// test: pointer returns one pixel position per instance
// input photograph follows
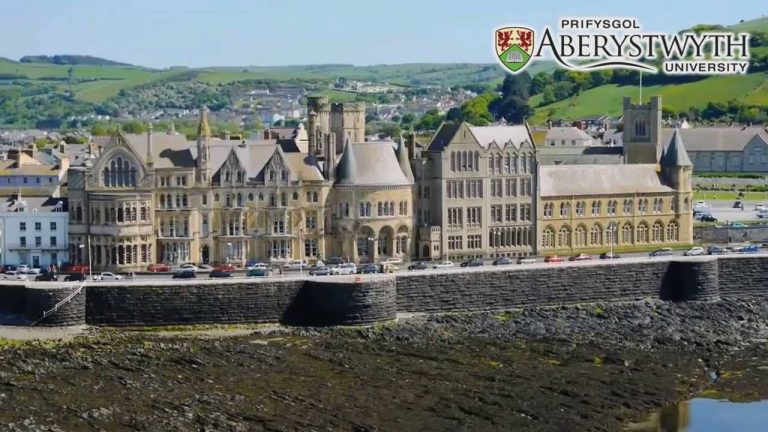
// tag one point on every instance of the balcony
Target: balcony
(117, 230)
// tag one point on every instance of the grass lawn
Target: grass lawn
(729, 196)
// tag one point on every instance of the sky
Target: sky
(164, 33)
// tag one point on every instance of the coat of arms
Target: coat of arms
(514, 47)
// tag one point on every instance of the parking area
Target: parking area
(724, 211)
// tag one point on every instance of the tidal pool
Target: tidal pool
(708, 415)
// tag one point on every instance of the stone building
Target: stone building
(725, 149)
(33, 231)
(476, 192)
(141, 199)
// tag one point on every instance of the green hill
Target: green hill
(607, 99)
(750, 89)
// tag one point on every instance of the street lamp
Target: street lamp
(90, 269)
(612, 234)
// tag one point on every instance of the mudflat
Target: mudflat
(587, 367)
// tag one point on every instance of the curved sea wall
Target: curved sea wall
(366, 299)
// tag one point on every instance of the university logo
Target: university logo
(588, 44)
(514, 47)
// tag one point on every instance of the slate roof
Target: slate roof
(370, 164)
(716, 138)
(41, 204)
(444, 135)
(569, 180)
(567, 134)
(500, 135)
(675, 155)
(170, 151)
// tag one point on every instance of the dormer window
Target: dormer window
(239, 176)
(283, 175)
(228, 176)
(271, 175)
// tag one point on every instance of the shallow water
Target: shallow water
(708, 415)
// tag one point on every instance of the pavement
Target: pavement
(724, 211)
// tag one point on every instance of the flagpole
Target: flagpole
(641, 86)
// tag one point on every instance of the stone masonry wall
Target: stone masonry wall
(480, 289)
(744, 275)
(43, 297)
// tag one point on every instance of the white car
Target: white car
(392, 260)
(15, 275)
(297, 264)
(257, 266)
(761, 208)
(695, 251)
(344, 269)
(108, 276)
(187, 267)
(23, 269)
(34, 271)
(444, 264)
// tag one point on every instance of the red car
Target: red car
(227, 268)
(158, 268)
(580, 257)
(553, 259)
(78, 268)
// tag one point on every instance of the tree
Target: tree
(430, 120)
(540, 81)
(514, 109)
(407, 119)
(455, 115)
(99, 130)
(516, 85)
(134, 127)
(477, 111)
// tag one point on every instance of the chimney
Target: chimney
(150, 149)
(411, 143)
(312, 145)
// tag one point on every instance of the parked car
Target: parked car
(226, 267)
(580, 257)
(23, 269)
(748, 249)
(418, 266)
(297, 264)
(258, 272)
(661, 252)
(553, 259)
(74, 277)
(10, 267)
(706, 217)
(472, 263)
(185, 275)
(34, 270)
(737, 225)
(108, 276)
(188, 267)
(716, 250)
(443, 265)
(46, 277)
(700, 206)
(609, 255)
(738, 204)
(216, 274)
(761, 208)
(256, 265)
(695, 251)
(78, 268)
(526, 260)
(334, 261)
(368, 268)
(15, 275)
(502, 261)
(344, 269)
(393, 260)
(319, 271)
(158, 268)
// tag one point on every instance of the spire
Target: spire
(202, 128)
(402, 159)
(676, 156)
(150, 149)
(346, 172)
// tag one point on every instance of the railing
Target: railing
(65, 300)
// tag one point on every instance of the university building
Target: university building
(141, 199)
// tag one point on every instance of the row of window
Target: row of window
(498, 190)
(510, 237)
(474, 241)
(499, 213)
(383, 209)
(120, 173)
(600, 236)
(464, 188)
(119, 213)
(511, 164)
(611, 208)
(53, 242)
(38, 226)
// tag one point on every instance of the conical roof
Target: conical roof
(676, 156)
(346, 171)
(402, 159)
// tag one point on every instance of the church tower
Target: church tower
(676, 171)
(642, 131)
(203, 149)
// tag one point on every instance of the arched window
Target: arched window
(239, 200)
(657, 232)
(673, 232)
(507, 162)
(162, 201)
(564, 209)
(548, 237)
(463, 161)
(642, 232)
(250, 197)
(612, 207)
(498, 163)
(477, 161)
(315, 197)
(580, 236)
(626, 233)
(227, 176)
(106, 177)
(295, 196)
(120, 216)
(283, 175)
(391, 208)
(595, 208)
(640, 127)
(239, 176)
(272, 202)
(380, 209)
(283, 200)
(271, 175)
(261, 196)
(596, 235)
(642, 205)
(453, 161)
(368, 207)
(564, 237)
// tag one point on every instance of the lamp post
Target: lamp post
(90, 269)
(612, 233)
(371, 247)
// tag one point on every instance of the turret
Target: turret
(675, 164)
(312, 133)
(330, 156)
(402, 159)
(150, 160)
(346, 172)
(203, 149)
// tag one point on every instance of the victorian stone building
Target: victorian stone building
(156, 197)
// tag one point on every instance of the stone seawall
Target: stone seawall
(351, 300)
(511, 287)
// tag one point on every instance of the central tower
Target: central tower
(642, 131)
